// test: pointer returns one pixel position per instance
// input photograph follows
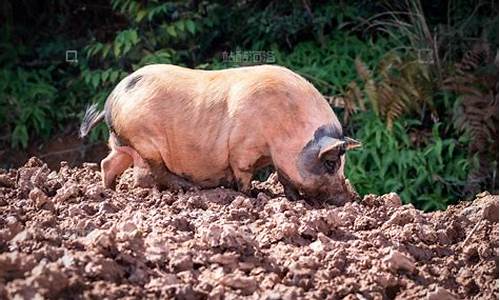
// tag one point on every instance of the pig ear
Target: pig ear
(351, 143)
(333, 144)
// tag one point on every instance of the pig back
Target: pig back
(176, 116)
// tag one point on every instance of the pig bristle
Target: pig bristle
(90, 119)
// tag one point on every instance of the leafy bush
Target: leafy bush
(30, 98)
(329, 67)
(475, 112)
(408, 84)
(431, 177)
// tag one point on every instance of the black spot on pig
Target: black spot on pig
(132, 82)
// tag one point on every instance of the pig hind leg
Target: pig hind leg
(142, 173)
(113, 165)
(118, 160)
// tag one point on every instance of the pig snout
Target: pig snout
(335, 190)
(340, 192)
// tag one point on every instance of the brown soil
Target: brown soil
(62, 147)
(63, 236)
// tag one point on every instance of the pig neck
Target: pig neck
(285, 153)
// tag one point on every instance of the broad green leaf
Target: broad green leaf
(116, 49)
(171, 31)
(191, 27)
(114, 76)
(105, 50)
(140, 15)
(95, 80)
(180, 25)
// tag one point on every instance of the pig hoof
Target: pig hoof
(238, 185)
(195, 188)
(254, 193)
(110, 185)
(292, 194)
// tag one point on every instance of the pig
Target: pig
(181, 127)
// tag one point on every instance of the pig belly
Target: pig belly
(224, 178)
(209, 179)
(203, 170)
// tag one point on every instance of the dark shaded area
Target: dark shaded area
(63, 147)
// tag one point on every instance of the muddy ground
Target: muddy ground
(63, 236)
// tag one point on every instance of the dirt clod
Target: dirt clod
(6, 181)
(62, 235)
(247, 285)
(440, 294)
(397, 261)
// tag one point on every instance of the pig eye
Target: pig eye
(330, 165)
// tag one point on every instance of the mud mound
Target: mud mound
(63, 236)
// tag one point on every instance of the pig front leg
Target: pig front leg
(242, 163)
(243, 181)
(290, 191)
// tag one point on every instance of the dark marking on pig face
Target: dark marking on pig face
(329, 130)
(132, 82)
(321, 155)
(320, 163)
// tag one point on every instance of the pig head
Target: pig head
(319, 167)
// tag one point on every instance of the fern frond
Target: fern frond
(476, 83)
(400, 86)
(362, 69)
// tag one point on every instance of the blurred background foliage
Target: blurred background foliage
(416, 82)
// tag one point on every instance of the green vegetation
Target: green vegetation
(417, 82)
(390, 161)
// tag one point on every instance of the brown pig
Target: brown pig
(211, 128)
